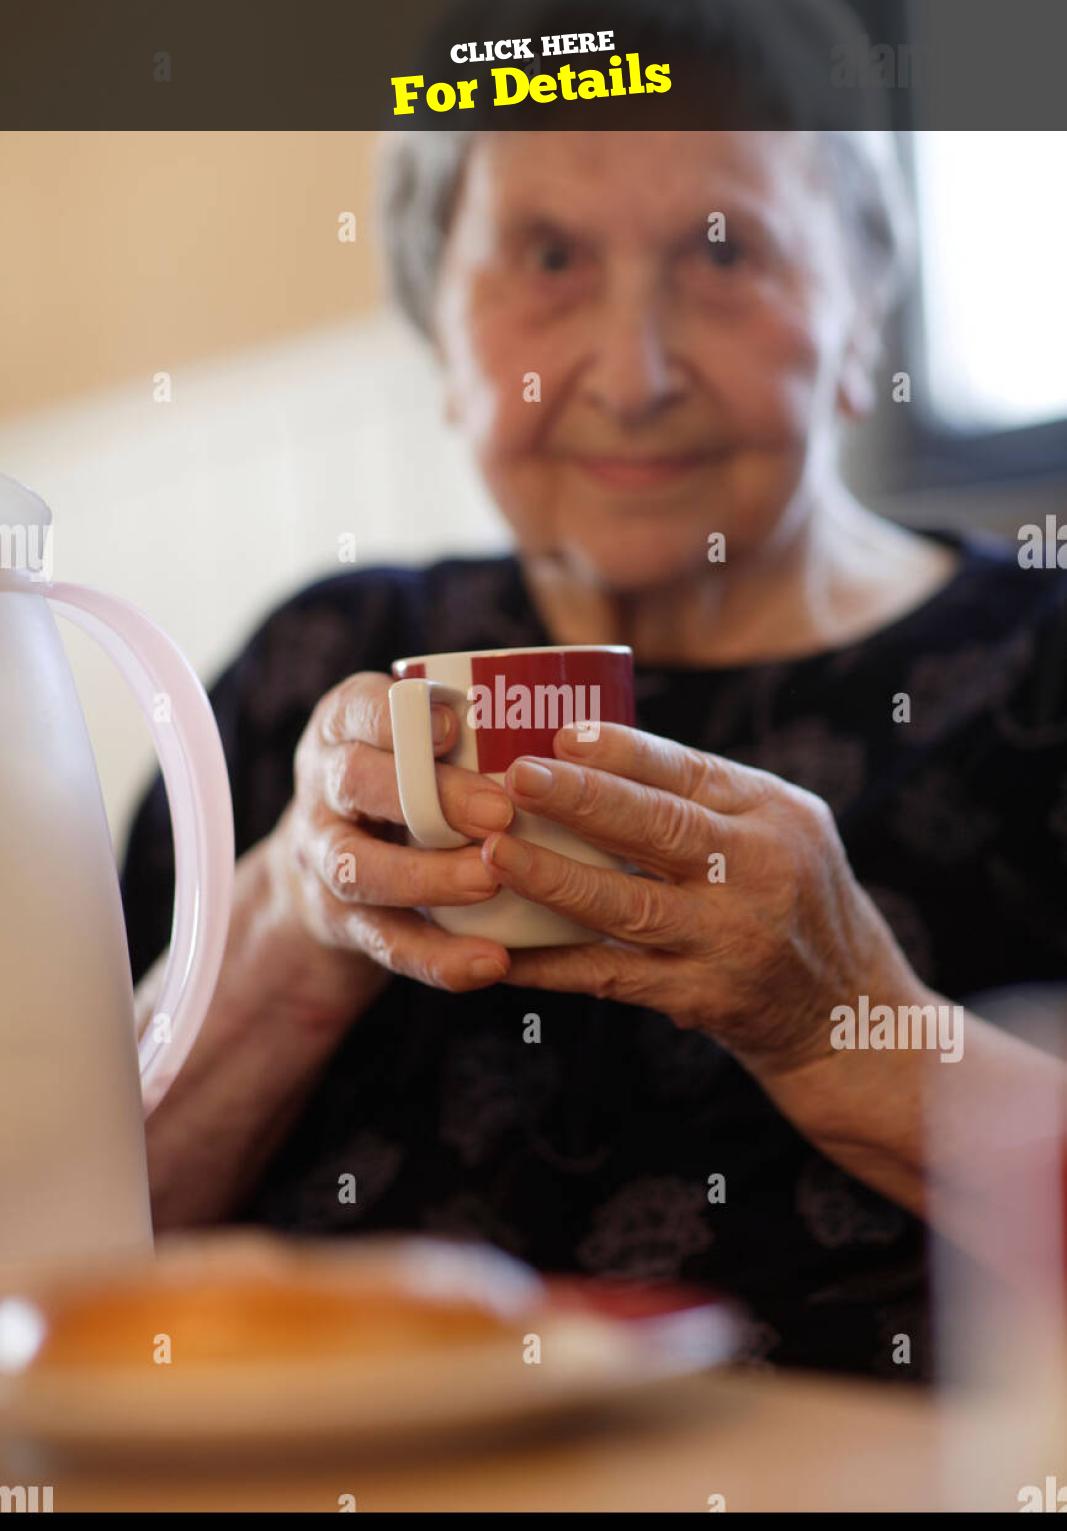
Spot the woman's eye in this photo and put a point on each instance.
(724, 252)
(553, 255)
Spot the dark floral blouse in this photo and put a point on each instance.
(591, 1151)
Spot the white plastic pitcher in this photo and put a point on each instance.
(75, 1085)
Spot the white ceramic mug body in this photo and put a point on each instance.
(581, 684)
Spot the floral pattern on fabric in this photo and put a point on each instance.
(590, 1151)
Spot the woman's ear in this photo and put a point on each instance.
(857, 392)
(451, 404)
(449, 397)
(449, 391)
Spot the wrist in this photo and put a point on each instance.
(859, 1090)
(280, 967)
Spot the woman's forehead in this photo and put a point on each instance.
(616, 179)
(566, 171)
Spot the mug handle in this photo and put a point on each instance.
(416, 775)
(198, 792)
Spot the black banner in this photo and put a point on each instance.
(261, 64)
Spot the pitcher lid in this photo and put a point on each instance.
(25, 534)
(19, 506)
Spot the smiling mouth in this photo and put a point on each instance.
(640, 472)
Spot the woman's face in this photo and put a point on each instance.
(628, 384)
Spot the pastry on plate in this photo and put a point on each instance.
(247, 1298)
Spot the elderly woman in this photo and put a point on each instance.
(864, 720)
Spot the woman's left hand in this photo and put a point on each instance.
(751, 926)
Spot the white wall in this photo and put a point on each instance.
(205, 511)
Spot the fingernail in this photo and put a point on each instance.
(487, 969)
(574, 737)
(531, 778)
(439, 724)
(489, 810)
(511, 855)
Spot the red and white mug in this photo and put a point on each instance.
(509, 702)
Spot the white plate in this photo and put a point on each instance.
(587, 1362)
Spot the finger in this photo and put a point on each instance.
(602, 969)
(360, 779)
(357, 711)
(717, 783)
(615, 903)
(356, 867)
(354, 769)
(409, 945)
(656, 830)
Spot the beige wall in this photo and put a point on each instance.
(125, 254)
(301, 411)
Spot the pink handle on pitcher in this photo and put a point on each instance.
(198, 791)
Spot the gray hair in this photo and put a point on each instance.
(421, 174)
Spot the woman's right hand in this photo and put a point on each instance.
(309, 949)
(340, 865)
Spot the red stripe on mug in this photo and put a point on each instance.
(519, 701)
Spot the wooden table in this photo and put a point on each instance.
(763, 1440)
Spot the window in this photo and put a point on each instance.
(993, 214)
(986, 336)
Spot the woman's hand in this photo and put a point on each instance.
(757, 959)
(342, 871)
(323, 912)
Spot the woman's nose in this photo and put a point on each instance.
(632, 370)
